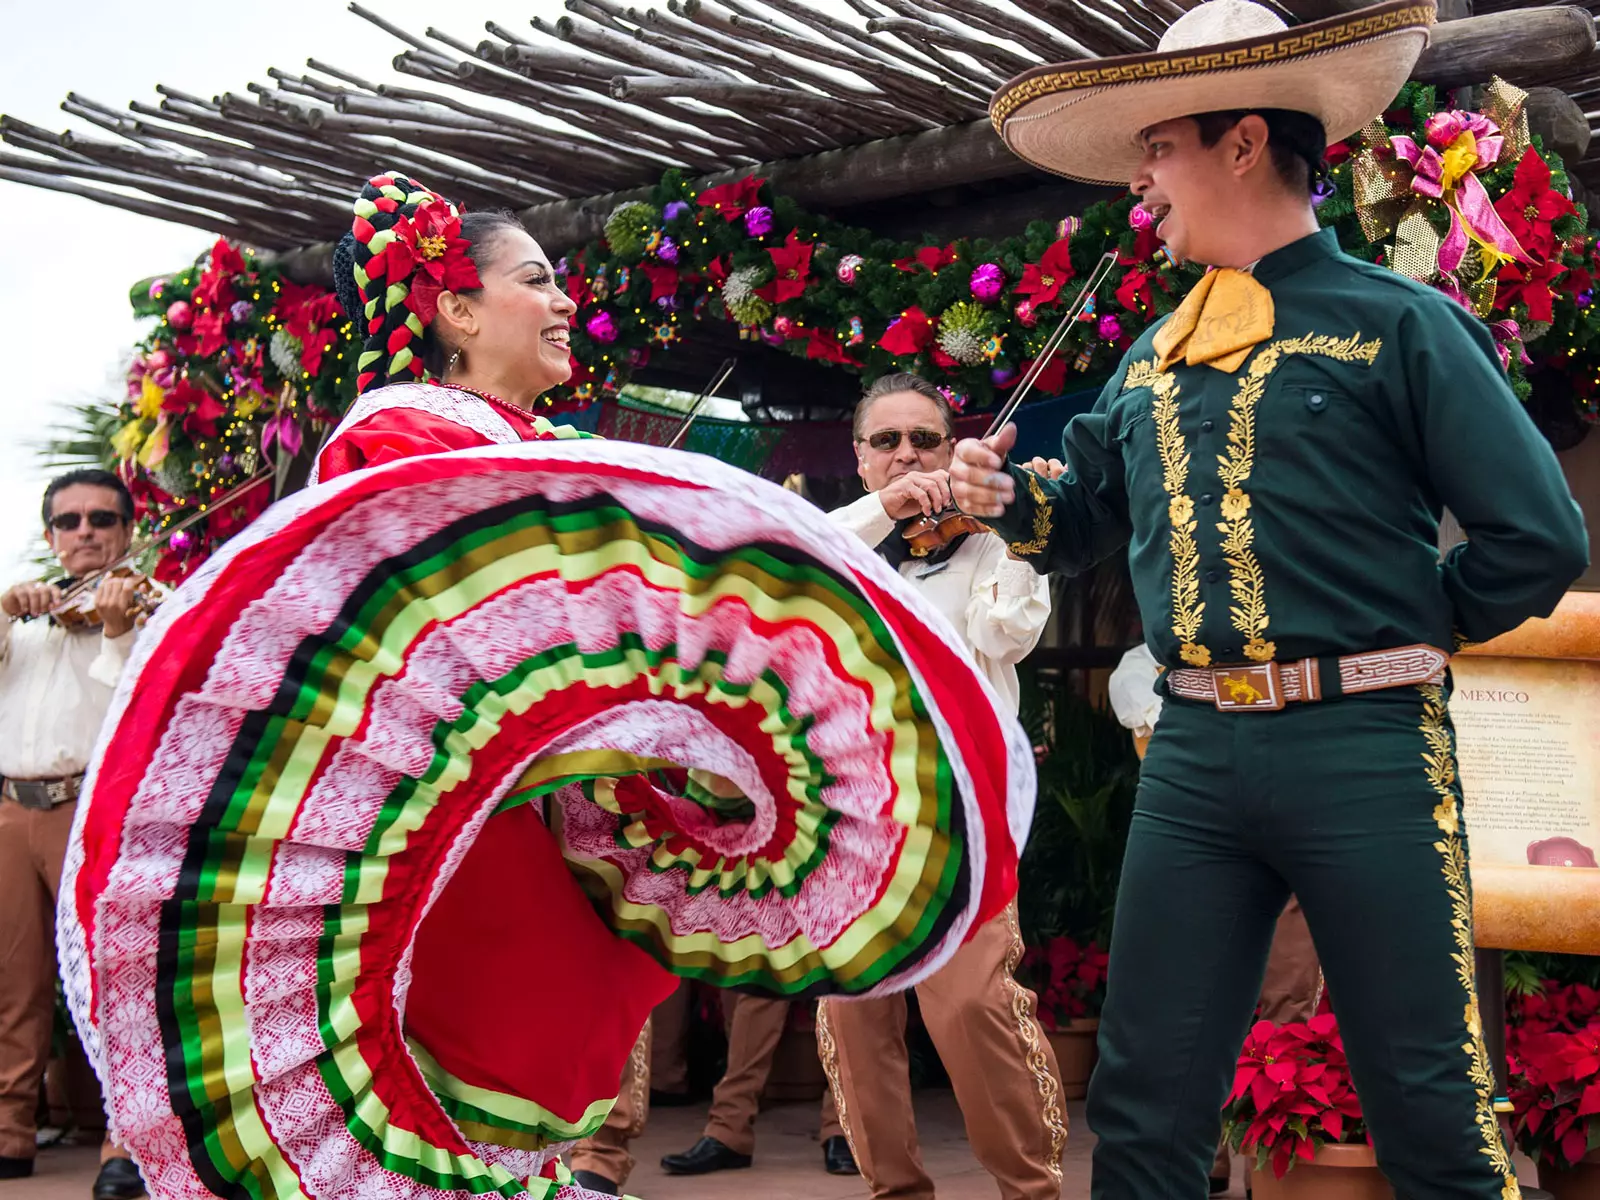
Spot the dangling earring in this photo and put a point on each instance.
(451, 365)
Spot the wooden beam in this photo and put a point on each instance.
(1559, 121)
(1525, 45)
(881, 170)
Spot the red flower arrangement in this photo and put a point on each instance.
(1554, 1045)
(1070, 980)
(1292, 1093)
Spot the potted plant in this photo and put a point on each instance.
(1294, 1108)
(1554, 1047)
(1071, 983)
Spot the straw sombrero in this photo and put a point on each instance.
(1082, 119)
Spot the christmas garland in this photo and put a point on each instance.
(243, 364)
(240, 367)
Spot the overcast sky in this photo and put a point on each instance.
(66, 263)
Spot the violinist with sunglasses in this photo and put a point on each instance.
(981, 1020)
(56, 683)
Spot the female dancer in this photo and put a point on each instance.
(414, 795)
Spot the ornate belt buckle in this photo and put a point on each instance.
(1247, 689)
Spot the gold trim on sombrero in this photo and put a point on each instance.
(1300, 41)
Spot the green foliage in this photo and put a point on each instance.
(1088, 774)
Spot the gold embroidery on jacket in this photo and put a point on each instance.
(1439, 756)
(1246, 581)
(1188, 610)
(1042, 521)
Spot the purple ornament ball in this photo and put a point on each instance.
(1585, 298)
(674, 210)
(601, 328)
(240, 310)
(987, 280)
(1001, 376)
(758, 221)
(181, 542)
(1110, 327)
(667, 252)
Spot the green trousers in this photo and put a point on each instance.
(1354, 806)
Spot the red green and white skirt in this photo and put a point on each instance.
(416, 797)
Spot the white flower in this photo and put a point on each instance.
(284, 351)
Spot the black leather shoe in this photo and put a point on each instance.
(1218, 1186)
(836, 1157)
(118, 1180)
(15, 1168)
(590, 1181)
(702, 1158)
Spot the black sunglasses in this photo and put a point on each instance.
(889, 439)
(99, 518)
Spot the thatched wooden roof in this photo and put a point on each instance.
(887, 102)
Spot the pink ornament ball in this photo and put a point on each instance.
(783, 327)
(180, 314)
(987, 280)
(1026, 313)
(181, 542)
(1139, 218)
(848, 266)
(1110, 328)
(758, 221)
(601, 328)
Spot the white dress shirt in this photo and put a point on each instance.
(997, 604)
(55, 690)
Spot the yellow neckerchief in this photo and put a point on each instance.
(1219, 322)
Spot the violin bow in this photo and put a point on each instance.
(717, 380)
(1096, 278)
(89, 581)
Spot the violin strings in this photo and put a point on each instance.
(717, 380)
(1096, 278)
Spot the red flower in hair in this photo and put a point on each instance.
(429, 248)
(1044, 279)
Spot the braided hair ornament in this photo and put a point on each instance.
(403, 249)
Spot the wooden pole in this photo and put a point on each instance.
(1524, 44)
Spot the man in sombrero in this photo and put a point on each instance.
(1275, 455)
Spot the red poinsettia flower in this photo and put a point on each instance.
(717, 272)
(1337, 153)
(211, 329)
(313, 346)
(1133, 293)
(1052, 380)
(733, 200)
(1532, 206)
(1044, 279)
(825, 344)
(215, 289)
(943, 361)
(200, 409)
(792, 262)
(228, 520)
(576, 285)
(931, 257)
(1528, 284)
(663, 280)
(907, 333)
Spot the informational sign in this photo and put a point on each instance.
(1526, 708)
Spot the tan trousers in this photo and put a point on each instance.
(755, 1027)
(669, 1041)
(1000, 1065)
(605, 1151)
(1291, 989)
(33, 847)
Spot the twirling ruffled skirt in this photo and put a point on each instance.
(412, 802)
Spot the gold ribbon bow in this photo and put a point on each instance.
(1224, 317)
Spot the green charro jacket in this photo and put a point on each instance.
(1291, 509)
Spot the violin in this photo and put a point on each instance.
(77, 609)
(929, 533)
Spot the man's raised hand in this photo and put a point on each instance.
(982, 488)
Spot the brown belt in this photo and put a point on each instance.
(42, 794)
(1267, 687)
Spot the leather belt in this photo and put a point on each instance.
(1267, 687)
(42, 794)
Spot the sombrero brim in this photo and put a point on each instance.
(1083, 119)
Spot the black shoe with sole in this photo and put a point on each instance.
(836, 1157)
(15, 1168)
(118, 1180)
(702, 1158)
(593, 1182)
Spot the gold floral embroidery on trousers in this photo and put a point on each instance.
(828, 1052)
(1438, 755)
(1028, 1032)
